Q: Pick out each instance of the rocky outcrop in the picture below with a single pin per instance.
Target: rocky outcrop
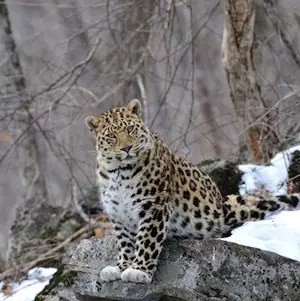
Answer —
(211, 270)
(32, 234)
(294, 172)
(226, 174)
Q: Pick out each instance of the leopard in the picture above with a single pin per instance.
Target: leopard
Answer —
(151, 194)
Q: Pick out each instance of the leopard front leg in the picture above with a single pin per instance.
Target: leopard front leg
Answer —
(125, 242)
(152, 232)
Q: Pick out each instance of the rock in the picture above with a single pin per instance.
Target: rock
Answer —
(35, 230)
(209, 270)
(226, 174)
(91, 202)
(3, 265)
(59, 287)
(55, 224)
(294, 171)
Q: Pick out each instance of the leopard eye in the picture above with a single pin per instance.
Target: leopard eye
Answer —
(111, 135)
(130, 128)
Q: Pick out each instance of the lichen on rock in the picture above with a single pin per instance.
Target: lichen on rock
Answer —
(208, 270)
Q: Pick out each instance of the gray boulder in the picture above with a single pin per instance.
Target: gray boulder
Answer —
(211, 270)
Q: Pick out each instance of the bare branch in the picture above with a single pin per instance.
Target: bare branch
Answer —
(143, 97)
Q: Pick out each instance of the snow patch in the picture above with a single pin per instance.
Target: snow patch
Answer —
(280, 233)
(37, 279)
(271, 176)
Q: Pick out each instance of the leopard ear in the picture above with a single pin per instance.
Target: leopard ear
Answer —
(134, 107)
(91, 122)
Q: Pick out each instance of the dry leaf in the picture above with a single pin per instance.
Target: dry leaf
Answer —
(6, 289)
(99, 232)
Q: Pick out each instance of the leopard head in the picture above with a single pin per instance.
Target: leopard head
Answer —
(120, 133)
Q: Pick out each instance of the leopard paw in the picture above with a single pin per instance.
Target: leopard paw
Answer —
(136, 276)
(110, 273)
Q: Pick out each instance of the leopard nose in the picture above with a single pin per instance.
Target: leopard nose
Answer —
(126, 148)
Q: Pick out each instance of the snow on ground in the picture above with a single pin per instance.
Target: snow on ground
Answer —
(280, 233)
(37, 279)
(272, 176)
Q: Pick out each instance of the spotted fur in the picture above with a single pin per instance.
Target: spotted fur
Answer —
(150, 194)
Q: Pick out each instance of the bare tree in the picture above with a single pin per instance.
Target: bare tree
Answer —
(21, 125)
(237, 49)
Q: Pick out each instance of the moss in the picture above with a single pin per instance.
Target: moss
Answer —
(62, 277)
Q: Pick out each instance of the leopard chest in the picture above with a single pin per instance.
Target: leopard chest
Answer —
(119, 197)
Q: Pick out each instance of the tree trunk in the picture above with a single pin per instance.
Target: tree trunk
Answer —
(20, 125)
(237, 52)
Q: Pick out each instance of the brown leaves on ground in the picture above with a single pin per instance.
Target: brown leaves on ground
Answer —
(6, 290)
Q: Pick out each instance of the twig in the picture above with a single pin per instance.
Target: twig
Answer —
(77, 206)
(269, 111)
(143, 96)
(293, 178)
(81, 64)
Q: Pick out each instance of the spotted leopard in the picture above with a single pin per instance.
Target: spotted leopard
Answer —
(150, 194)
